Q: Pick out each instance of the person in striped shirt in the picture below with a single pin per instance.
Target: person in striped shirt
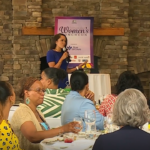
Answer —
(54, 96)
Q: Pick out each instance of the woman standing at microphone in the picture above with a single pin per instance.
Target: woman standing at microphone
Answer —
(58, 58)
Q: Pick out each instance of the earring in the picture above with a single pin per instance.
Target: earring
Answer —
(27, 101)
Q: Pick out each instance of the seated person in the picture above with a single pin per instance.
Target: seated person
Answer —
(130, 111)
(77, 101)
(29, 123)
(8, 140)
(53, 96)
(125, 81)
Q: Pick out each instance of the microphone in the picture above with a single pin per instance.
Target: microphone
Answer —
(64, 49)
(68, 58)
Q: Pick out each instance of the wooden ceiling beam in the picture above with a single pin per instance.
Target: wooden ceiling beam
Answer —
(50, 31)
(108, 31)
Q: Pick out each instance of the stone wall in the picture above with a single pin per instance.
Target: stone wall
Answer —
(112, 50)
(6, 53)
(51, 9)
(26, 56)
(22, 53)
(114, 55)
(139, 41)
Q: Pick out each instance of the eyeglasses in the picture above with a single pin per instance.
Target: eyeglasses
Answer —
(38, 90)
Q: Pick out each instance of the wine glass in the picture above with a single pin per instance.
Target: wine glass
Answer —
(90, 119)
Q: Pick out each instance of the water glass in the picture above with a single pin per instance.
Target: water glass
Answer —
(90, 132)
(90, 116)
(109, 124)
(90, 119)
(80, 121)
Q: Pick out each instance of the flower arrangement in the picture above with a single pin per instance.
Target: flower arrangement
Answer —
(87, 67)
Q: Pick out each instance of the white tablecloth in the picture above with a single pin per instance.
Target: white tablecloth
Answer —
(81, 144)
(99, 84)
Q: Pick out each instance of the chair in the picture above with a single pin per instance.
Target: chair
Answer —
(11, 112)
(53, 122)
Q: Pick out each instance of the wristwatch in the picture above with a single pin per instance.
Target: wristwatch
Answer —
(77, 67)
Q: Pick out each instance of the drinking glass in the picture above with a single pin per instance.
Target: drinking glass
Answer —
(90, 119)
(80, 121)
(109, 124)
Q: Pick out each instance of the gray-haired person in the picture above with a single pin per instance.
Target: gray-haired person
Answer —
(130, 111)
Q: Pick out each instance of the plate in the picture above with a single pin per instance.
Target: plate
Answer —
(81, 135)
(49, 140)
(61, 145)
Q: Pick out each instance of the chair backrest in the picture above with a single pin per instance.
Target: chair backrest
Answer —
(11, 112)
(53, 122)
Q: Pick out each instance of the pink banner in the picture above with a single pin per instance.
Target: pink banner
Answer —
(79, 32)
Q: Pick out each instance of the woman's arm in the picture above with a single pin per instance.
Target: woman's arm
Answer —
(70, 70)
(28, 129)
(58, 64)
(53, 64)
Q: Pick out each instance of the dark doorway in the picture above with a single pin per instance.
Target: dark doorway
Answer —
(44, 64)
(95, 69)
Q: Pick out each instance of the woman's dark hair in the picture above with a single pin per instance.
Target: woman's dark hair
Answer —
(55, 74)
(55, 38)
(128, 80)
(5, 92)
(25, 84)
(53, 42)
(78, 80)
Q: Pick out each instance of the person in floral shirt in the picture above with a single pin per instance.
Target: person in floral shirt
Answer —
(126, 80)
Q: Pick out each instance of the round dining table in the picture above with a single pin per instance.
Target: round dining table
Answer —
(79, 144)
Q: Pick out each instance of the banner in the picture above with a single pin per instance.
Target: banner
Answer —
(79, 32)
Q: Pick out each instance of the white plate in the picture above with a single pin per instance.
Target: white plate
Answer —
(49, 140)
(61, 145)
